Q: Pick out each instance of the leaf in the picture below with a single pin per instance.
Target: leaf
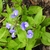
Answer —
(30, 44)
(1, 6)
(14, 1)
(0, 48)
(34, 9)
(43, 29)
(39, 18)
(24, 18)
(37, 33)
(22, 36)
(2, 44)
(12, 44)
(20, 44)
(24, 10)
(3, 40)
(45, 38)
(17, 1)
(4, 14)
(3, 33)
(38, 42)
(8, 9)
(46, 22)
(31, 21)
(5, 49)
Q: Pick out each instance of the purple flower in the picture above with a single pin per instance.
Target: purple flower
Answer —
(8, 25)
(29, 34)
(13, 35)
(12, 31)
(24, 25)
(14, 14)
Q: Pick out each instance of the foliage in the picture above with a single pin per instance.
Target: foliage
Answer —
(29, 19)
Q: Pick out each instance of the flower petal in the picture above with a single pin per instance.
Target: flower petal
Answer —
(12, 31)
(8, 25)
(13, 35)
(14, 14)
(30, 34)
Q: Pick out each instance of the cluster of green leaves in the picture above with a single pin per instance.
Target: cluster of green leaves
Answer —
(37, 22)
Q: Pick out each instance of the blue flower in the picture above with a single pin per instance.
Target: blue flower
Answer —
(8, 25)
(29, 34)
(12, 31)
(14, 14)
(24, 25)
(13, 35)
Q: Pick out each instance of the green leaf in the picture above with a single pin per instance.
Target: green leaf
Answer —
(5, 49)
(0, 48)
(45, 38)
(2, 44)
(17, 1)
(30, 44)
(21, 34)
(37, 33)
(24, 10)
(9, 20)
(24, 18)
(38, 42)
(13, 0)
(12, 44)
(31, 21)
(20, 44)
(8, 9)
(39, 18)
(1, 6)
(4, 14)
(3, 40)
(46, 22)
(3, 33)
(43, 29)
(34, 9)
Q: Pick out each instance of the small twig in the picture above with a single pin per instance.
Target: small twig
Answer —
(2, 20)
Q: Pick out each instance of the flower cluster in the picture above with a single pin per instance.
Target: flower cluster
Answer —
(23, 26)
(9, 26)
(11, 30)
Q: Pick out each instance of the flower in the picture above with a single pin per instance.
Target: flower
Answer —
(12, 31)
(29, 34)
(8, 25)
(24, 25)
(14, 14)
(13, 35)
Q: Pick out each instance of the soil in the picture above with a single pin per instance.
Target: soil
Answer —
(46, 11)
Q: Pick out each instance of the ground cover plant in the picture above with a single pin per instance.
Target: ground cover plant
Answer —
(22, 27)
